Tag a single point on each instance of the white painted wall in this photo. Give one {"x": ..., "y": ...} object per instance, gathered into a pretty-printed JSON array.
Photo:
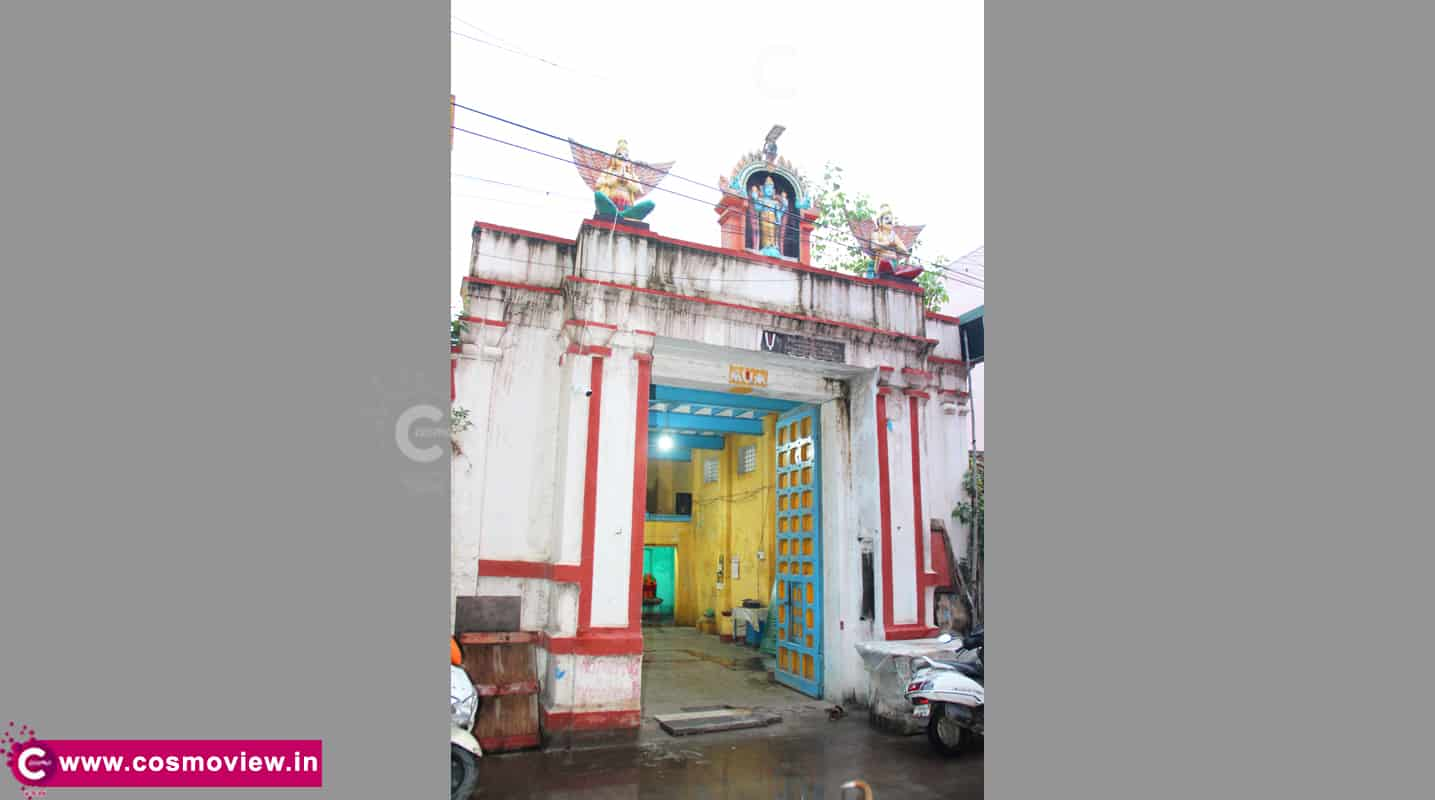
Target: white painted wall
[
  {"x": 518, "y": 491},
  {"x": 613, "y": 529}
]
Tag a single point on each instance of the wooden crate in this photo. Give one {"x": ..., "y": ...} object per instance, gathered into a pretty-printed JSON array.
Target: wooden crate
[{"x": 503, "y": 669}]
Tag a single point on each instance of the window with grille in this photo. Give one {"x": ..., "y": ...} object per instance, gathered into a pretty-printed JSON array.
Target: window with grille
[
  {"x": 747, "y": 459},
  {"x": 710, "y": 470}
]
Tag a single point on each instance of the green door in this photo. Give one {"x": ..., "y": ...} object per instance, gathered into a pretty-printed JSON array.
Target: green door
[{"x": 659, "y": 562}]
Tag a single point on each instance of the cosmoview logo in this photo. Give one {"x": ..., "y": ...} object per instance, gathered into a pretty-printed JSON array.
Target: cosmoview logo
[
  {"x": 408, "y": 434},
  {"x": 35, "y": 763}
]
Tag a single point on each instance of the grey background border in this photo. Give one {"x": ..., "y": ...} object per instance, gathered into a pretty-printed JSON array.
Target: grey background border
[
  {"x": 1208, "y": 415},
  {"x": 226, "y": 274}
]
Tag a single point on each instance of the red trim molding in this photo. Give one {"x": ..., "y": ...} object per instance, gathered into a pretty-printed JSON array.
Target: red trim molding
[
  {"x": 955, "y": 362},
  {"x": 530, "y": 287},
  {"x": 558, "y": 721},
  {"x": 645, "y": 333},
  {"x": 591, "y": 324},
  {"x": 481, "y": 321},
  {"x": 547, "y": 237},
  {"x": 596, "y": 642},
  {"x": 741, "y": 307},
  {"x": 943, "y": 318},
  {"x": 914, "y": 393},
  {"x": 560, "y": 573},
  {"x": 906, "y": 632},
  {"x": 590, "y": 496},
  {"x": 761, "y": 259},
  {"x": 918, "y": 516},
  {"x": 920, "y": 372},
  {"x": 640, "y": 497},
  {"x": 646, "y": 358},
  {"x": 884, "y": 500}
]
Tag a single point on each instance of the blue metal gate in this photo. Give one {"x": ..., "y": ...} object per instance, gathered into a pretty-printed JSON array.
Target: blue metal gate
[{"x": 799, "y": 551}]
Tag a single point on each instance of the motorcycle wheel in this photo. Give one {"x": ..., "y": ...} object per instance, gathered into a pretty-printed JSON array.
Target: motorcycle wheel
[
  {"x": 946, "y": 736},
  {"x": 463, "y": 778}
]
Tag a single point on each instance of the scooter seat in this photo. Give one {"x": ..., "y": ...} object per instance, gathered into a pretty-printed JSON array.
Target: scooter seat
[{"x": 973, "y": 671}]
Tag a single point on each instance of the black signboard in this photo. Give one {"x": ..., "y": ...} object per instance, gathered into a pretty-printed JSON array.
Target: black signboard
[{"x": 803, "y": 347}]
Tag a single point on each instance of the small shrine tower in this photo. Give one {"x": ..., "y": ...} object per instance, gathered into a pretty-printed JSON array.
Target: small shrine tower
[{"x": 765, "y": 208}]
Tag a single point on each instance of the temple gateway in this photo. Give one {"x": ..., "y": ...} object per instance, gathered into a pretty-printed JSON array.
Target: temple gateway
[{"x": 723, "y": 443}]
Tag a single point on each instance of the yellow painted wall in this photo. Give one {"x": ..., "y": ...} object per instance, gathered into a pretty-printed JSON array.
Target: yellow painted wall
[
  {"x": 733, "y": 517},
  {"x": 665, "y": 478}
]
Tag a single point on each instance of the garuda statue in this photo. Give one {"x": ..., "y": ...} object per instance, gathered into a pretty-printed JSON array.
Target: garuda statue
[
  {"x": 888, "y": 245},
  {"x": 618, "y": 182}
]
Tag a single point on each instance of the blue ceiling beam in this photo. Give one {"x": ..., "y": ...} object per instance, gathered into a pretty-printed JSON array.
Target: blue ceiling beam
[
  {"x": 690, "y": 442},
  {"x": 675, "y": 394},
  {"x": 658, "y": 420}
]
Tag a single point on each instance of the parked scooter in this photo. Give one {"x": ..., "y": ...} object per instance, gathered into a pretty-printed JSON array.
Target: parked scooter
[
  {"x": 950, "y": 695},
  {"x": 464, "y": 750}
]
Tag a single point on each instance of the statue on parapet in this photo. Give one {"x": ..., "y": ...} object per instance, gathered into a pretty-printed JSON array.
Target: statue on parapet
[
  {"x": 769, "y": 212},
  {"x": 617, "y": 181},
  {"x": 888, "y": 244}
]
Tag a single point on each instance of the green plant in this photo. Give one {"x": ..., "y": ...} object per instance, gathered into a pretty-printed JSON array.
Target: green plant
[
  {"x": 972, "y": 513},
  {"x": 456, "y": 328},
  {"x": 458, "y": 422},
  {"x": 834, "y": 247}
]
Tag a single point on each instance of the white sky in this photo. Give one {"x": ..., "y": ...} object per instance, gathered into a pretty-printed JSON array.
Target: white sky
[{"x": 891, "y": 91}]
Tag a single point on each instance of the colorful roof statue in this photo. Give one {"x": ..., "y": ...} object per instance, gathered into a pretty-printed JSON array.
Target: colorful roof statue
[
  {"x": 888, "y": 244},
  {"x": 618, "y": 182}
]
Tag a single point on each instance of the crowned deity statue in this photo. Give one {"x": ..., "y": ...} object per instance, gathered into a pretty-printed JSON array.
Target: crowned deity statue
[
  {"x": 618, "y": 182},
  {"x": 769, "y": 210},
  {"x": 888, "y": 244}
]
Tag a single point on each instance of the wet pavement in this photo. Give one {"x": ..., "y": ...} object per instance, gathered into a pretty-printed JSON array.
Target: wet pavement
[
  {"x": 685, "y": 669},
  {"x": 806, "y": 756}
]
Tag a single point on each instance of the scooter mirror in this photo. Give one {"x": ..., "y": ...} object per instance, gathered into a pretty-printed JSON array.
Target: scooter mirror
[{"x": 945, "y": 638}]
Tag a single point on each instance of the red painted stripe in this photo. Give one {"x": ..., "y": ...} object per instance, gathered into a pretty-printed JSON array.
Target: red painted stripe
[
  {"x": 640, "y": 494},
  {"x": 956, "y": 362},
  {"x": 905, "y": 632},
  {"x": 489, "y": 568},
  {"x": 597, "y": 351},
  {"x": 481, "y": 321},
  {"x": 956, "y": 392},
  {"x": 556, "y": 721},
  {"x": 943, "y": 318},
  {"x": 536, "y": 570},
  {"x": 644, "y": 357},
  {"x": 505, "y": 689},
  {"x": 531, "y": 287},
  {"x": 884, "y": 499},
  {"x": 916, "y": 393},
  {"x": 920, "y": 522},
  {"x": 547, "y": 237},
  {"x": 885, "y": 368},
  {"x": 590, "y": 497},
  {"x": 503, "y": 744},
  {"x": 590, "y": 324},
  {"x": 911, "y": 371},
  {"x": 761, "y": 259},
  {"x": 739, "y": 306},
  {"x": 596, "y": 642},
  {"x": 646, "y": 333}
]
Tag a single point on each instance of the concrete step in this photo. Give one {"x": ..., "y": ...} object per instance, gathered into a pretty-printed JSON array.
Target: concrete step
[{"x": 712, "y": 721}]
